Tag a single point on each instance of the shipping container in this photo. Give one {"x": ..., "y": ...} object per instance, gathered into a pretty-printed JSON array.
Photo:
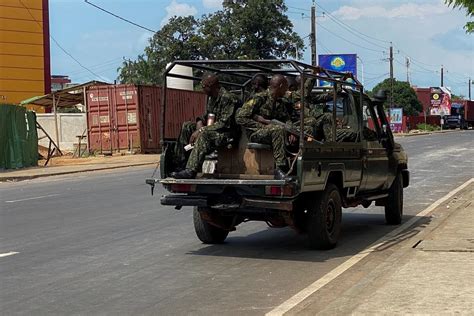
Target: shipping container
[{"x": 127, "y": 117}]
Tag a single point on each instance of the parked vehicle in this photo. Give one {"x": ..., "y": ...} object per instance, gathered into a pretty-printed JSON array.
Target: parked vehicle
[
  {"x": 358, "y": 166},
  {"x": 462, "y": 115}
]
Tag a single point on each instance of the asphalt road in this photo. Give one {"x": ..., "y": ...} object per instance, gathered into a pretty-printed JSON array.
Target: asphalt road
[{"x": 98, "y": 243}]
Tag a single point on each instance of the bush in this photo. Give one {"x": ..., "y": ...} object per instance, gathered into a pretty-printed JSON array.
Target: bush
[{"x": 427, "y": 127}]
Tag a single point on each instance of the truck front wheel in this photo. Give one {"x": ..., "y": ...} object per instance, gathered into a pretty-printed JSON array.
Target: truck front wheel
[
  {"x": 394, "y": 203},
  {"x": 324, "y": 220},
  {"x": 208, "y": 233}
]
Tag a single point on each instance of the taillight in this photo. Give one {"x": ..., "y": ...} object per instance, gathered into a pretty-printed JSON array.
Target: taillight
[
  {"x": 182, "y": 188},
  {"x": 277, "y": 190}
]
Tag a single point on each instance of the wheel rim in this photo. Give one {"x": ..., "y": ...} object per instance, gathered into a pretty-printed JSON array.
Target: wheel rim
[{"x": 330, "y": 216}]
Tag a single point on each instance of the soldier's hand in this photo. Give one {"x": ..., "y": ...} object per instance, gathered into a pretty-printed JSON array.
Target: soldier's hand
[
  {"x": 292, "y": 139},
  {"x": 262, "y": 120},
  {"x": 194, "y": 137}
]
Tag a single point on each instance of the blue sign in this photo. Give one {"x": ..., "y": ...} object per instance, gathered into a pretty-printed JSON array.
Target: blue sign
[{"x": 338, "y": 62}]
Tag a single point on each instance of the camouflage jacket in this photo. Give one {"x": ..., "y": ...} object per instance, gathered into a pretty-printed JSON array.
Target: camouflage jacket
[
  {"x": 223, "y": 106},
  {"x": 264, "y": 105}
]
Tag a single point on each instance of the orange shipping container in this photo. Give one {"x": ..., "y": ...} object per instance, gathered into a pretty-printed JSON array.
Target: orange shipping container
[{"x": 126, "y": 117}]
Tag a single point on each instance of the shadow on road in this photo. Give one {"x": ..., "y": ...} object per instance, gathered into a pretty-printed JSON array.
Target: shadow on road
[{"x": 359, "y": 231}]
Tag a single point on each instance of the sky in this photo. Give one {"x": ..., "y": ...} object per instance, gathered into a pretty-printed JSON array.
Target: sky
[{"x": 428, "y": 32}]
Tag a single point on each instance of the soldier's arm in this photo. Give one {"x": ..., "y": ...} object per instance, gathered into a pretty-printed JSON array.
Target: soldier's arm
[
  {"x": 245, "y": 116},
  {"x": 228, "y": 107}
]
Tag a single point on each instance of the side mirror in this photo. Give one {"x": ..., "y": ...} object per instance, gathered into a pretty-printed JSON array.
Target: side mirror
[{"x": 380, "y": 96}]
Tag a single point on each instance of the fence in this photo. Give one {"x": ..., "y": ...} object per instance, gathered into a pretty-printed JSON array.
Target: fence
[
  {"x": 70, "y": 125},
  {"x": 18, "y": 137}
]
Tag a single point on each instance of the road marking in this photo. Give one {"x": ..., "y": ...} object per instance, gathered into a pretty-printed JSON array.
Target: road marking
[
  {"x": 6, "y": 254},
  {"x": 32, "y": 198},
  {"x": 318, "y": 284}
]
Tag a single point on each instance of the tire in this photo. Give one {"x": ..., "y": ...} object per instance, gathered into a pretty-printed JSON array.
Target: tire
[
  {"x": 324, "y": 220},
  {"x": 394, "y": 203},
  {"x": 207, "y": 233}
]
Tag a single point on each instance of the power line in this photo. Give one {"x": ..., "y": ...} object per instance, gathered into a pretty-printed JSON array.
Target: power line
[
  {"x": 355, "y": 44},
  {"x": 57, "y": 43},
  {"x": 119, "y": 17},
  {"x": 296, "y": 8},
  {"x": 368, "y": 36}
]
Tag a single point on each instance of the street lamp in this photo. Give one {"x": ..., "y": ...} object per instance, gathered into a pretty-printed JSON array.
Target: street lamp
[{"x": 362, "y": 68}]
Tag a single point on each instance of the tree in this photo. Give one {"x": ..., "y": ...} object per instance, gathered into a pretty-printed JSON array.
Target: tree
[
  {"x": 403, "y": 96},
  {"x": 455, "y": 97},
  {"x": 469, "y": 6},
  {"x": 252, "y": 29}
]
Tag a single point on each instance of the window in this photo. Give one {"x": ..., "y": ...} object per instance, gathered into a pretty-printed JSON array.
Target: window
[{"x": 347, "y": 128}]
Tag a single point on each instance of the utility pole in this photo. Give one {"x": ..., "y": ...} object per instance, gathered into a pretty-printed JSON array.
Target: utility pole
[
  {"x": 314, "y": 55},
  {"x": 391, "y": 74},
  {"x": 407, "y": 63},
  {"x": 442, "y": 76},
  {"x": 470, "y": 82}
]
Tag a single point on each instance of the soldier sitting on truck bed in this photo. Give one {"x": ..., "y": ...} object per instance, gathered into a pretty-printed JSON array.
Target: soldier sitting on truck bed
[
  {"x": 258, "y": 84},
  {"x": 256, "y": 115},
  {"x": 219, "y": 130},
  {"x": 315, "y": 122}
]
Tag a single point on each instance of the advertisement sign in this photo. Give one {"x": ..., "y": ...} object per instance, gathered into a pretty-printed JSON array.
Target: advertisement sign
[
  {"x": 396, "y": 119},
  {"x": 440, "y": 102},
  {"x": 338, "y": 62}
]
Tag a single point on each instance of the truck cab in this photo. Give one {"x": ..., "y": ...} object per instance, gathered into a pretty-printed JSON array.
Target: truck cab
[{"x": 356, "y": 163}]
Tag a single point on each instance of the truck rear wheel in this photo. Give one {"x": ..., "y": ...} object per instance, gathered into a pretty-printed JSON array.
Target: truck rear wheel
[
  {"x": 324, "y": 220},
  {"x": 208, "y": 233},
  {"x": 394, "y": 203}
]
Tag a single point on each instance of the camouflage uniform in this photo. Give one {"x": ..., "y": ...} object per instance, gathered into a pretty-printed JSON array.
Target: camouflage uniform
[
  {"x": 264, "y": 105},
  {"x": 218, "y": 134}
]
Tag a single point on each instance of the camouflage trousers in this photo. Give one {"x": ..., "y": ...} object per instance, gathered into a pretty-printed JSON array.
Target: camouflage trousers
[
  {"x": 323, "y": 126},
  {"x": 180, "y": 155},
  {"x": 207, "y": 142},
  {"x": 273, "y": 135}
]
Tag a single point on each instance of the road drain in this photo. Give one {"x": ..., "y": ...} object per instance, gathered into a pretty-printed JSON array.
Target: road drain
[{"x": 417, "y": 243}]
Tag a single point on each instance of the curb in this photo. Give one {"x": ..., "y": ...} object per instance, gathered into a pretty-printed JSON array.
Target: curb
[
  {"x": 22, "y": 178},
  {"x": 426, "y": 133}
]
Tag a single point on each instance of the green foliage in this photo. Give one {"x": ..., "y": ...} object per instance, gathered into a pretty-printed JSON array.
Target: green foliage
[
  {"x": 469, "y": 6},
  {"x": 403, "y": 96},
  {"x": 455, "y": 97},
  {"x": 427, "y": 127},
  {"x": 254, "y": 30}
]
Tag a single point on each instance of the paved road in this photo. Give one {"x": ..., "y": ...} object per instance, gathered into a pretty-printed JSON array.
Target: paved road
[{"x": 99, "y": 243}]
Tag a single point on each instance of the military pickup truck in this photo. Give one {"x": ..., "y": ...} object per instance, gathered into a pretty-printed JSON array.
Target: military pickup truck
[{"x": 359, "y": 164}]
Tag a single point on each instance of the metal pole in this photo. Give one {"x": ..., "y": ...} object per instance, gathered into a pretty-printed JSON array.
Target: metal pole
[
  {"x": 56, "y": 119},
  {"x": 408, "y": 69},
  {"x": 362, "y": 68},
  {"x": 314, "y": 56},
  {"x": 442, "y": 76},
  {"x": 391, "y": 75},
  {"x": 469, "y": 84}
]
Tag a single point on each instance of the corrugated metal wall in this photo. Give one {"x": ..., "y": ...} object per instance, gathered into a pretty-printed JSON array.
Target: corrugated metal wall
[{"x": 127, "y": 117}]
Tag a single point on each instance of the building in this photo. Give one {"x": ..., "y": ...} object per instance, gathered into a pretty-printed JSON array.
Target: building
[
  {"x": 24, "y": 50},
  {"x": 59, "y": 82}
]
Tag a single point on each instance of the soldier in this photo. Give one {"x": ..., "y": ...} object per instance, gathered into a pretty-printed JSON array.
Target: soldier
[
  {"x": 207, "y": 138},
  {"x": 259, "y": 84},
  {"x": 256, "y": 115}
]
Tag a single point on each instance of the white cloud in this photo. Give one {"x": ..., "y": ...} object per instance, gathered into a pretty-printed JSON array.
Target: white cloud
[
  {"x": 407, "y": 10},
  {"x": 178, "y": 9},
  {"x": 212, "y": 4}
]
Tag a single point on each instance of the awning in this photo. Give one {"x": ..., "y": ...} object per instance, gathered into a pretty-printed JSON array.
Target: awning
[{"x": 63, "y": 98}]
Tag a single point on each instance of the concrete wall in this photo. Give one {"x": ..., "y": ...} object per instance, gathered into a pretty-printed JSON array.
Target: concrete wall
[{"x": 70, "y": 125}]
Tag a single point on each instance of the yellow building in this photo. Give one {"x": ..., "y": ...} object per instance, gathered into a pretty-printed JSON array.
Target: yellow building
[{"x": 24, "y": 50}]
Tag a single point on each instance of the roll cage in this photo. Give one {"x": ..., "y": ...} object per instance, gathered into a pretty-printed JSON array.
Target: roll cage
[{"x": 242, "y": 71}]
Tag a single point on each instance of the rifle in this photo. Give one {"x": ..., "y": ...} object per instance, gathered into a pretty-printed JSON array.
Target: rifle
[{"x": 292, "y": 130}]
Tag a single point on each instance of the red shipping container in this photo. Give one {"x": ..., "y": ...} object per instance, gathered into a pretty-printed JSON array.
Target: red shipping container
[{"x": 126, "y": 117}]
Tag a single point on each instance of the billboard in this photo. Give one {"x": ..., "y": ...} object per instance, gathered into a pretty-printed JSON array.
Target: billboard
[
  {"x": 440, "y": 101},
  {"x": 338, "y": 62},
  {"x": 396, "y": 119}
]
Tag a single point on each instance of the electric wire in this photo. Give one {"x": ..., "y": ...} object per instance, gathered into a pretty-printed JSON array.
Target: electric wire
[
  {"x": 59, "y": 45},
  {"x": 119, "y": 17}
]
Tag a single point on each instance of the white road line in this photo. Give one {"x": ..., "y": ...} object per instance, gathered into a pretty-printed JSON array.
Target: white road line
[
  {"x": 32, "y": 198},
  {"x": 6, "y": 254},
  {"x": 318, "y": 284}
]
